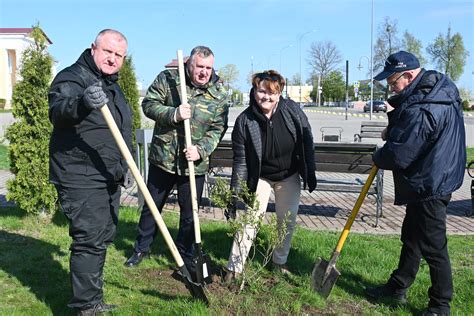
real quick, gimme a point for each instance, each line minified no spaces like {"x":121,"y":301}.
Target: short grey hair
{"x":108,"y":31}
{"x":204,"y":51}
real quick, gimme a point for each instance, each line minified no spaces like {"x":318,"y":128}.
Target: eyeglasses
{"x":392,"y":84}
{"x":264,"y":76}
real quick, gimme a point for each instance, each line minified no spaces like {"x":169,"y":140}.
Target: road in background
{"x":320,"y":117}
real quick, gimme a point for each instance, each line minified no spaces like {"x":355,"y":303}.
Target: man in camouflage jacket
{"x":207,"y":110}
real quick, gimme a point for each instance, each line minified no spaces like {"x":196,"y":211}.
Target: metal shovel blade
{"x":203,"y":266}
{"x":195,"y":289}
{"x":323,"y":277}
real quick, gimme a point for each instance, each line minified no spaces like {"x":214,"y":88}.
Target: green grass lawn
{"x":34,"y":278}
{"x":4,"y":159}
{"x":470,"y":154}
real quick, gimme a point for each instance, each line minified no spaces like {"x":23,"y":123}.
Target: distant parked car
{"x":377,"y":107}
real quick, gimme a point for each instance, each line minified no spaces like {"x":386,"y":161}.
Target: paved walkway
{"x":329,"y":210}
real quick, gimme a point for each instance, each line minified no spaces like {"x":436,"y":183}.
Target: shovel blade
{"x":196,"y":289}
{"x":323,"y":277}
{"x":203,"y":268}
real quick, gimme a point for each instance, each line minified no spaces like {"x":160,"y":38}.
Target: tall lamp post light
{"x":371,"y":61}
{"x":251,"y":65}
{"x":281,"y":51}
{"x":299,"y":41}
{"x":360,"y":65}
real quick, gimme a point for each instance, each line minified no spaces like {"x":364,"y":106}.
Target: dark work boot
{"x":386,"y":293}
{"x":136,"y":258}
{"x":97,"y":309}
{"x":431,"y":313}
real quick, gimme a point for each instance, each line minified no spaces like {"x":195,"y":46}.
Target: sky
{"x":251,"y":34}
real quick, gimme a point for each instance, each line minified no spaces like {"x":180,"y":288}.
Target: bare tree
{"x":295,"y":80}
{"x":386,"y":43}
{"x":449,"y":54}
{"x":229,"y":73}
{"x":414,"y":46}
{"x":324,"y":57}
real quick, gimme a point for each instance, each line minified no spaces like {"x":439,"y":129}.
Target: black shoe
{"x":430,"y":313}
{"x":135,"y":260}
{"x":97,"y":309}
{"x":385,"y":293}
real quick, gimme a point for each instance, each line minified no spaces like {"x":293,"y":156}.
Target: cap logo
{"x":401,"y":65}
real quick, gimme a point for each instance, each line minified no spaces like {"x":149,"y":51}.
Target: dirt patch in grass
{"x":226,"y":298}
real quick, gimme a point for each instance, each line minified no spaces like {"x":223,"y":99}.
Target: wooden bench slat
{"x":354,"y":188}
{"x":343,"y":168}
{"x":371,"y":134}
{"x":371,"y":129}
{"x":374,"y":123}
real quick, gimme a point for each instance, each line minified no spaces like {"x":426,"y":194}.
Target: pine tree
{"x":29,"y":134}
{"x":128,"y":84}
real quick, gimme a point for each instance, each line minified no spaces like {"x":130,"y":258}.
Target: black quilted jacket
{"x":247,"y":146}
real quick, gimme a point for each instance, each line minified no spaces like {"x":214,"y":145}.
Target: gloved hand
{"x":231,"y":211}
{"x":94,"y":96}
{"x":128,"y":180}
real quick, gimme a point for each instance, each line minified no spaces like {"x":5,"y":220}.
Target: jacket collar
{"x":87,"y":61}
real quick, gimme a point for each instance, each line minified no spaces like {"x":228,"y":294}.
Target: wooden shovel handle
{"x":187,"y":134}
{"x":141,"y":184}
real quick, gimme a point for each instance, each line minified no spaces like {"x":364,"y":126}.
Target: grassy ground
{"x":4,"y":160}
{"x":470,"y":154}
{"x":34,"y":276}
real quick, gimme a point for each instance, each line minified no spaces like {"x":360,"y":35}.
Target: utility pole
{"x":371,"y":60}
{"x":347,"y":86}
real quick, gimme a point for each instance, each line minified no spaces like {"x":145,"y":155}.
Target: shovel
{"x":201,"y":259}
{"x":325,"y":274}
{"x":195,"y":289}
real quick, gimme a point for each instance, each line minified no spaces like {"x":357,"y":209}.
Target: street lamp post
{"x":281,"y":50}
{"x":251,"y":64}
{"x":299,"y":41}
{"x":371,"y":61}
{"x":368,"y":63}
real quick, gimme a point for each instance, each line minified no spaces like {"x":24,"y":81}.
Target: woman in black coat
{"x":273,"y":148}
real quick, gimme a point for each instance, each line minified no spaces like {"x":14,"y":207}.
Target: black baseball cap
{"x":398,"y":62}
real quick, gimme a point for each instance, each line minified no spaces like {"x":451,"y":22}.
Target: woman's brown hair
{"x":272,"y":80}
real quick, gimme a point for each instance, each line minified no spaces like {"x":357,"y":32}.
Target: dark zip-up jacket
{"x":83,"y":152}
{"x":247,"y":145}
{"x":425,"y":146}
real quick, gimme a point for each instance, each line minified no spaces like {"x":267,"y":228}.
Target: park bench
{"x":331,"y":133}
{"x":370,"y":130}
{"x":340,"y":167}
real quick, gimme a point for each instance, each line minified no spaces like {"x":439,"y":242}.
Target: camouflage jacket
{"x":208,"y":121}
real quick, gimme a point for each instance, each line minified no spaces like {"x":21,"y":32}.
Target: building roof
{"x":25,"y":31}
{"x":174,"y":62}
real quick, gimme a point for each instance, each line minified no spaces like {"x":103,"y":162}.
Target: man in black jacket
{"x":85,"y":163}
{"x":426,"y":151}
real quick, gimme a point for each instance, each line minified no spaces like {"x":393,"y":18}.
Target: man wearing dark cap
{"x":426,"y":151}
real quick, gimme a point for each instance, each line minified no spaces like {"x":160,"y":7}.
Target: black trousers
{"x":160,"y":183}
{"x":93,"y":218}
{"x":424,"y":235}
